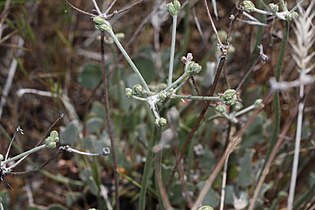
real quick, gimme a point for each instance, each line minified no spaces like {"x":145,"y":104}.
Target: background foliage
{"x":60,"y":55}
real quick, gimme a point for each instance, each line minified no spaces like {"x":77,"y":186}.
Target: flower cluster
{"x":173,"y":7}
{"x":51,"y":141}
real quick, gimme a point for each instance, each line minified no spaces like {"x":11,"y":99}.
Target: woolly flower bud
{"x":274,"y":7}
{"x":164,"y":95}
{"x":128,"y":92}
{"x":229,"y":97}
{"x":54,"y":135}
{"x":291,"y":15}
{"x":258,"y":102}
{"x":51,"y":141}
{"x":98,"y":20}
{"x":193,"y":68}
{"x":137,"y":89}
{"x":104,"y":27}
{"x":160,"y":121}
{"x":51,"y":145}
{"x":173,"y":7}
{"x":220,"y":109}
{"x":1,"y":157}
{"x":102,"y":24}
{"x":248,"y":6}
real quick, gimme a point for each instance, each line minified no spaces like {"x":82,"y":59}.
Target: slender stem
{"x":283,"y":48}
{"x":133,"y":66}
{"x":214,"y":117}
{"x":171,"y":66}
{"x":212,"y":24}
{"x":297,"y":5}
{"x":224,"y":183}
{"x":200,"y":98}
{"x":247,"y":109}
{"x":297,"y":148}
{"x":158,"y":177}
{"x":28,"y":152}
{"x":139,"y":98}
{"x":148,"y":167}
{"x":180,"y":80}
{"x":276,"y":99}
{"x":97,"y":8}
{"x":263,"y":12}
{"x":109,"y":123}
{"x":110,"y":7}
{"x":18,"y":129}
{"x":283,"y":5}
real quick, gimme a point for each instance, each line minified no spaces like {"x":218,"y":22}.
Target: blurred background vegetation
{"x":56,"y":50}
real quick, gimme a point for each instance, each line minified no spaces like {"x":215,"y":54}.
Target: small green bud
{"x":229,"y":97}
{"x":137,"y":89}
{"x":163,"y":96}
{"x":291,"y":15}
{"x":98,"y":20}
{"x":220,"y":109}
{"x":176,"y":5}
{"x":128,"y":92}
{"x":193,"y":68}
{"x":102,"y":24}
{"x":173,"y":7}
{"x":51,"y":145}
{"x":51,"y":141}
{"x":54,"y":136}
{"x":104,"y":27}
{"x":160,"y":121}
{"x":274,"y":7}
{"x":248,"y":6}
{"x":258,"y":102}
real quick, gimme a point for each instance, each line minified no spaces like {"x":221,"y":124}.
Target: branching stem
{"x":171,"y":66}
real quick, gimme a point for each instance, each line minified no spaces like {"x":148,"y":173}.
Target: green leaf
{"x":245,"y":176}
{"x":70,"y":133}
{"x":87,"y":177}
{"x":90,"y":75}
{"x":91,"y":143}
{"x":97,"y":110}
{"x":212,"y":198}
{"x":145,"y":64}
{"x":72,"y":197}
{"x":94,"y":125}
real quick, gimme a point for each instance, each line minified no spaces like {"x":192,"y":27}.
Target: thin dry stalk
{"x":158,"y":175}
{"x":10,"y":77}
{"x":305,"y":34}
